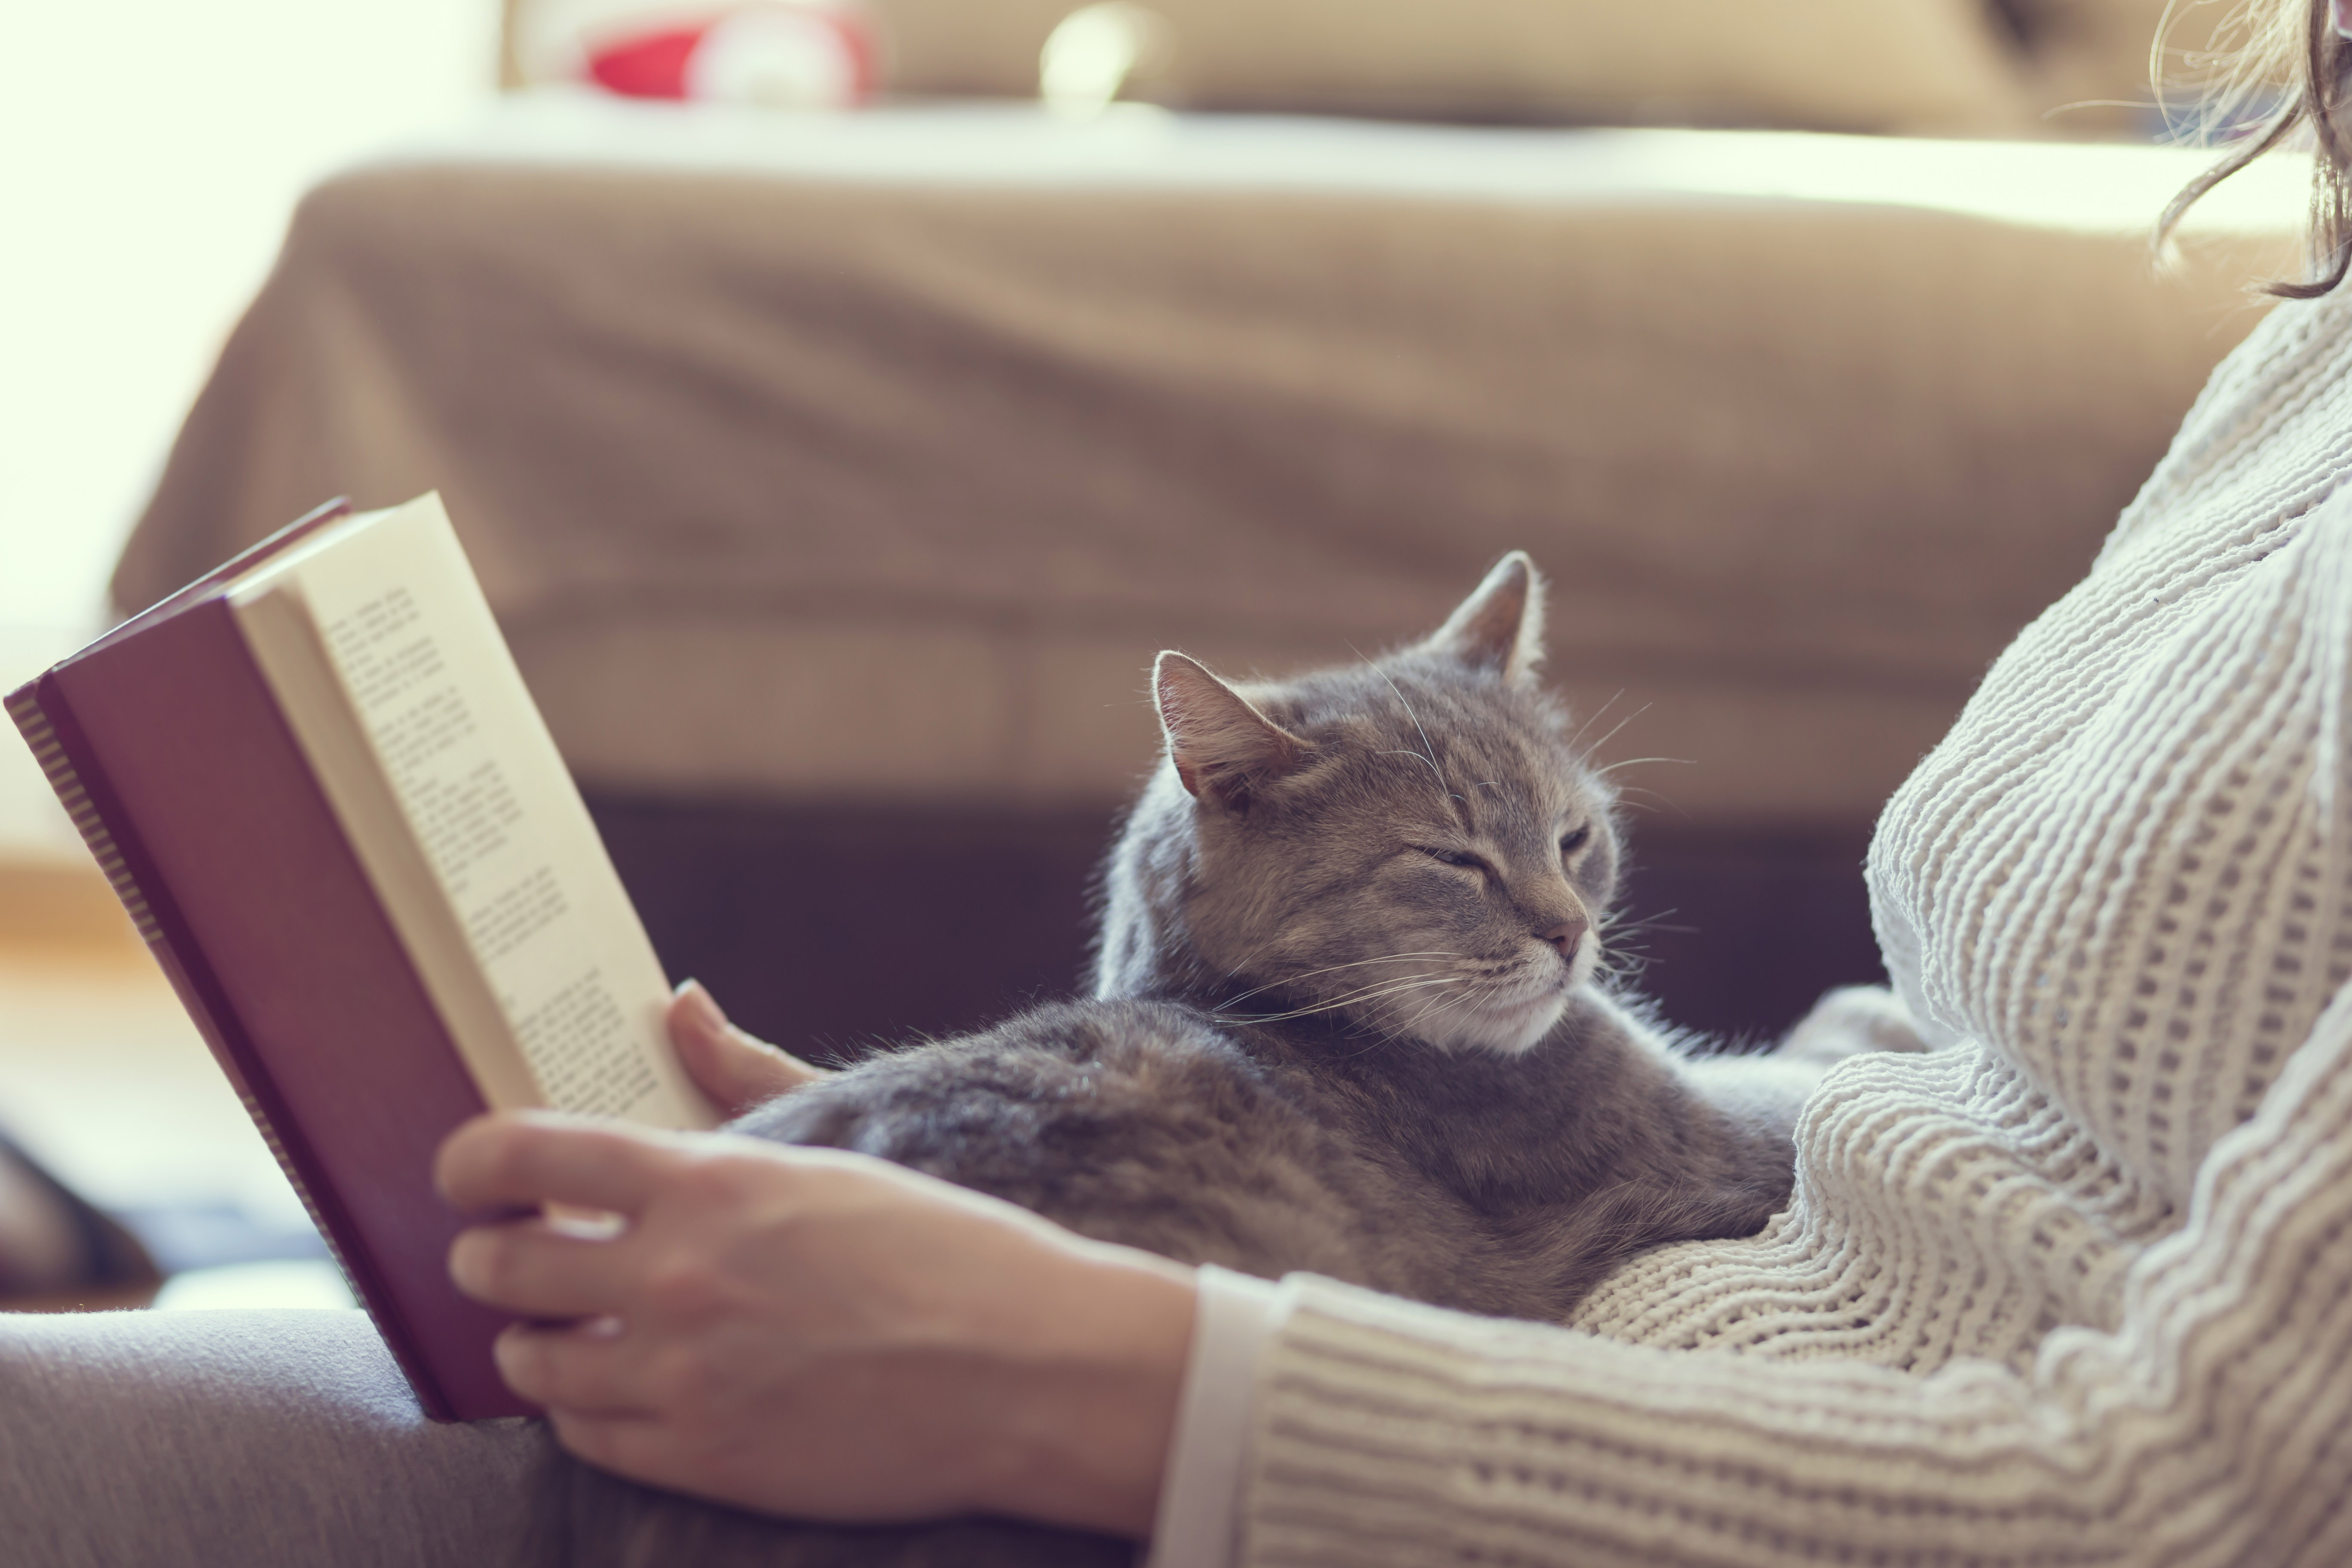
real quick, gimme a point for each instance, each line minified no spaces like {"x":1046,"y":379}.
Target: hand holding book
{"x":328,"y":804}
{"x":816,"y":1334}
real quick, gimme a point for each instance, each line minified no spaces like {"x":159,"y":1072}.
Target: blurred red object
{"x":784,"y":56}
{"x":651,"y":65}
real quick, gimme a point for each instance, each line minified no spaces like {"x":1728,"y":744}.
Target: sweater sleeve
{"x":1235,"y":1318}
{"x":2212,"y":1426}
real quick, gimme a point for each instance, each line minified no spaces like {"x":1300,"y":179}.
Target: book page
{"x":455,"y":799}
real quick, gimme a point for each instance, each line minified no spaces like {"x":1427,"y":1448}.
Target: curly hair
{"x":2285,"y":85}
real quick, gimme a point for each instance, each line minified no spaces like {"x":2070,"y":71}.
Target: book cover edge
{"x":219,"y":577}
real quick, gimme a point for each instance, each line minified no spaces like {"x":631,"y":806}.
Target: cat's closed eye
{"x":1461,"y":858}
{"x":1570,"y":843}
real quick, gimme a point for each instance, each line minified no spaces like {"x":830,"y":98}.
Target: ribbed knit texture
{"x":2076,"y":1286}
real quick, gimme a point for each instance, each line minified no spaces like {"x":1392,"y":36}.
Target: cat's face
{"x":1413,"y":844}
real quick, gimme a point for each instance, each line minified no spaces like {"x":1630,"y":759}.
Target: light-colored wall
{"x":509,"y":67}
{"x":150,"y":160}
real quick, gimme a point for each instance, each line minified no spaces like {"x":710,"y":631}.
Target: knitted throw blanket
{"x":2074,"y":1287}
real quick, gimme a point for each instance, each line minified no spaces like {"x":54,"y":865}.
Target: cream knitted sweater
{"x":2074,"y":1287}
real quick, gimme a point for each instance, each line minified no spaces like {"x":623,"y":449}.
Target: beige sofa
{"x":837,"y":478}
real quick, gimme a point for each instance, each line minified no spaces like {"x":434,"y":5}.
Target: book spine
{"x":25,"y":711}
{"x":57,"y":765}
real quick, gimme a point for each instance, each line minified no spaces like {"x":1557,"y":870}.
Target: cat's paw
{"x":1849,"y":1021}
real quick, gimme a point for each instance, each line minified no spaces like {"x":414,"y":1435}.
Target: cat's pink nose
{"x":1564,"y":936}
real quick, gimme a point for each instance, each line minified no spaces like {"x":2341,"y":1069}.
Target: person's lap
{"x":199,"y":1439}
{"x":289,"y":1439}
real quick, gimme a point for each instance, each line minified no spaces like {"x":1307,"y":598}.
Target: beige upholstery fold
{"x":799,"y":482}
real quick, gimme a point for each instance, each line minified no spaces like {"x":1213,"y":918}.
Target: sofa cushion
{"x":1870,"y":65}
{"x":872,"y":457}
{"x":1840,"y":65}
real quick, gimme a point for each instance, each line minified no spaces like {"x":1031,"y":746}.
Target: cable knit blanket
{"x":2073,"y":1288}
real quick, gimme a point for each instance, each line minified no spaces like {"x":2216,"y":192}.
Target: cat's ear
{"x":1220,"y":743}
{"x":1500,"y":625}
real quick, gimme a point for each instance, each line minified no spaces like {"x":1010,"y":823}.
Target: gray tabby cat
{"x":1346,"y":1019}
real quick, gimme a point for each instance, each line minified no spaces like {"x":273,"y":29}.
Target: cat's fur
{"x":1345,"y":1014}
{"x":1344,"y":1017}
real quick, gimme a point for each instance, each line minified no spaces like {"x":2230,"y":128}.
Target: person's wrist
{"x":1090,"y":1409}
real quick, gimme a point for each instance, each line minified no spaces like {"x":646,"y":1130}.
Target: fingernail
{"x":699,"y":1002}
{"x":466,"y":1261}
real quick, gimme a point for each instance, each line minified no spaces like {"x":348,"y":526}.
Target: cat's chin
{"x":1506,"y":1031}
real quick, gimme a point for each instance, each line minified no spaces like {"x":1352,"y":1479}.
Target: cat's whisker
{"x":1665,"y":801}
{"x":1381,"y":1035}
{"x":1418,"y":757}
{"x":1595,"y":748}
{"x":1436,"y":1007}
{"x":1594,"y":717}
{"x":1252,"y":955}
{"x":1408,"y":1028}
{"x":1637,"y":762}
{"x":1333,"y":968}
{"x":1428,"y":750}
{"x":1382,"y":987}
{"x":1370,"y":994}
{"x":1381,"y":990}
{"x":1615,"y":929}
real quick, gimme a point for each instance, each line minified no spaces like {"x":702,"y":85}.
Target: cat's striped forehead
{"x":1421,"y":736}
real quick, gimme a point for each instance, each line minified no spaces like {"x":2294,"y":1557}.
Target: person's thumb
{"x":730,"y":1066}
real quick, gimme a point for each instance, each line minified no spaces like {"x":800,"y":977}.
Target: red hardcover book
{"x":319,"y":788}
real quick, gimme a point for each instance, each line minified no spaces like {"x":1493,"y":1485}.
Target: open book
{"x":318,"y":784}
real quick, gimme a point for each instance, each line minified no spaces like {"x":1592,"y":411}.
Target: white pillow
{"x":1848,"y":65}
